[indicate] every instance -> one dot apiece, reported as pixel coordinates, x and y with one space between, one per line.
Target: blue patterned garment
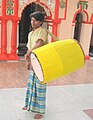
36 95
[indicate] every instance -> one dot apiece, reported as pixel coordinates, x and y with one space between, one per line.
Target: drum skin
59 58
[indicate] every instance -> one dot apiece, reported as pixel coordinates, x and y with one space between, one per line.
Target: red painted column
55 22
3 32
54 30
3 40
16 8
56 9
14 55
91 19
3 8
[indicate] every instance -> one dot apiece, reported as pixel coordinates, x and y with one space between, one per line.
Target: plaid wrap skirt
35 100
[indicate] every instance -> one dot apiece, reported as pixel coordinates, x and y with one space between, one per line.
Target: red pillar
56 20
14 55
54 30
3 32
3 40
4 19
16 8
3 8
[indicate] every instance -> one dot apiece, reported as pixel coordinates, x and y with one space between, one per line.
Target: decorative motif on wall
0 7
83 5
62 4
9 7
23 1
51 3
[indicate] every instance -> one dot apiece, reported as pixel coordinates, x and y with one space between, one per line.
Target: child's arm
39 43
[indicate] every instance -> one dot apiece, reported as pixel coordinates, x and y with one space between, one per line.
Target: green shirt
33 36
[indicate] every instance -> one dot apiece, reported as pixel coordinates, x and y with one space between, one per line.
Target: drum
57 59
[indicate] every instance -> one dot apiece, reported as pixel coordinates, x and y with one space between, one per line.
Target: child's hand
27 56
28 64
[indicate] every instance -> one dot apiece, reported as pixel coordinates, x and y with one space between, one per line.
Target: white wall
9 31
65 28
86 37
0 37
92 37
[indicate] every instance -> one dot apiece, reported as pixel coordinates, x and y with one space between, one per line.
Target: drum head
36 67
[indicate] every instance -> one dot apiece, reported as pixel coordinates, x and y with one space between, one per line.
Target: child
35 100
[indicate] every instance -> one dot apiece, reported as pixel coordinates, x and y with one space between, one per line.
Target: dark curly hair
39 16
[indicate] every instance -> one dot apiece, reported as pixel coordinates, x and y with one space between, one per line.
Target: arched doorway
78 26
25 26
91 44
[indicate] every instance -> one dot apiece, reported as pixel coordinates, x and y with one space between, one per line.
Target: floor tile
63 103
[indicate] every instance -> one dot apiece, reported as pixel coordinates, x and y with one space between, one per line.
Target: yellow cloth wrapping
59 58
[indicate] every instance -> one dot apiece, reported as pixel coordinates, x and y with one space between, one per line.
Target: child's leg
29 91
24 108
38 116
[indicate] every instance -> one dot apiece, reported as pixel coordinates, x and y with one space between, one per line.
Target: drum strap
53 36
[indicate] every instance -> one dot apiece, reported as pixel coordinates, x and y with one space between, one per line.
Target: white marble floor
63 103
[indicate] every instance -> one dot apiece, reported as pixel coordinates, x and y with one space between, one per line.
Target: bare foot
38 116
24 108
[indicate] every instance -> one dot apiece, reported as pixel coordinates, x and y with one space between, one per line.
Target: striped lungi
36 95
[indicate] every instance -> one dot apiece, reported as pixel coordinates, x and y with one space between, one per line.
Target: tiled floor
15 75
68 98
89 112
63 103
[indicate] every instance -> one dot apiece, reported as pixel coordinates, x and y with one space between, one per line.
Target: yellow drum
56 59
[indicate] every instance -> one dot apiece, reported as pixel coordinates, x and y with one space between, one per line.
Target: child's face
35 23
